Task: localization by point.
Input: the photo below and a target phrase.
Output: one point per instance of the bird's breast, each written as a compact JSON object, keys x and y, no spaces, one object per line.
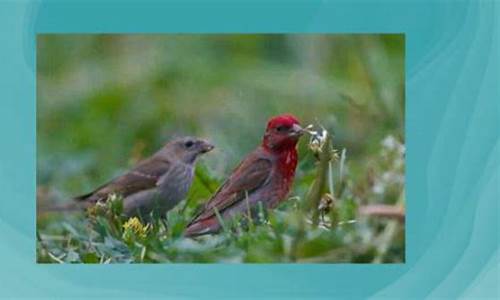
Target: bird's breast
{"x":287,"y":162}
{"x":175,"y":184}
{"x":285,"y":173}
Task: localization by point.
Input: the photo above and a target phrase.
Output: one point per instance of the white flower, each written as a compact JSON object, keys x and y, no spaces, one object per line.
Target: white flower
{"x":318,"y":138}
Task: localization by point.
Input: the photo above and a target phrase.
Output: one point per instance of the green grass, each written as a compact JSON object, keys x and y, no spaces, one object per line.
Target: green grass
{"x":295,"y":232}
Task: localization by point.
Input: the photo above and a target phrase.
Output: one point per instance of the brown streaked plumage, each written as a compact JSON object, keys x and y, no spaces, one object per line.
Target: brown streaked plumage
{"x":157,"y":183}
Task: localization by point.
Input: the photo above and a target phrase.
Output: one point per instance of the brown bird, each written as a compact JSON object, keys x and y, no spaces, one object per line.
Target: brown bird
{"x":156,"y":184}
{"x":264,"y":176}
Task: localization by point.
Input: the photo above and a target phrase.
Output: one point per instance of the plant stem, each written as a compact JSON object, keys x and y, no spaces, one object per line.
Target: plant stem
{"x":320,"y":182}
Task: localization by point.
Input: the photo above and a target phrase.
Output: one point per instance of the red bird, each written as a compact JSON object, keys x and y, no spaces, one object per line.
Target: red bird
{"x":265,"y":176}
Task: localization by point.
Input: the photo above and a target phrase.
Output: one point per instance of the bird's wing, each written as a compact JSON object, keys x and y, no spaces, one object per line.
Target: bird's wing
{"x":251,"y":174}
{"x":144,"y":176}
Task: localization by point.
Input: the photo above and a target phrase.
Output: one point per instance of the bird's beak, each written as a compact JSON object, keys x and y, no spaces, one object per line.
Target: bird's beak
{"x":206,"y":147}
{"x":296,"y":130}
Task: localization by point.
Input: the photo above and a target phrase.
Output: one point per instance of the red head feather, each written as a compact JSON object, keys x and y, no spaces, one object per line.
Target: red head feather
{"x":282,"y":120}
{"x":280,"y":135}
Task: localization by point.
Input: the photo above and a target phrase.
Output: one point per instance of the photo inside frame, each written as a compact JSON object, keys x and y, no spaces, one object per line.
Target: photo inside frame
{"x":217,"y":148}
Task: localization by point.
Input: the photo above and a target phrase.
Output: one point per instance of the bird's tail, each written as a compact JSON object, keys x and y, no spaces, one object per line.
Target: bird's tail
{"x":60,"y":208}
{"x":202,"y":227}
{"x":50,"y":200}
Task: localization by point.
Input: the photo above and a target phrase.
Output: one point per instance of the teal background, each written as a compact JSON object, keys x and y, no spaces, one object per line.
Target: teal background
{"x":452,"y":122}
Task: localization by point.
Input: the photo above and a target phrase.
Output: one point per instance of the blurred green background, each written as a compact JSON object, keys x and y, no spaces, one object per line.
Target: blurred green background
{"x":106,"y":101}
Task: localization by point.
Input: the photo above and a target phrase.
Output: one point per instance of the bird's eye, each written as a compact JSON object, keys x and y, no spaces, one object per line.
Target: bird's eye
{"x":188,"y":144}
{"x":281,"y":128}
